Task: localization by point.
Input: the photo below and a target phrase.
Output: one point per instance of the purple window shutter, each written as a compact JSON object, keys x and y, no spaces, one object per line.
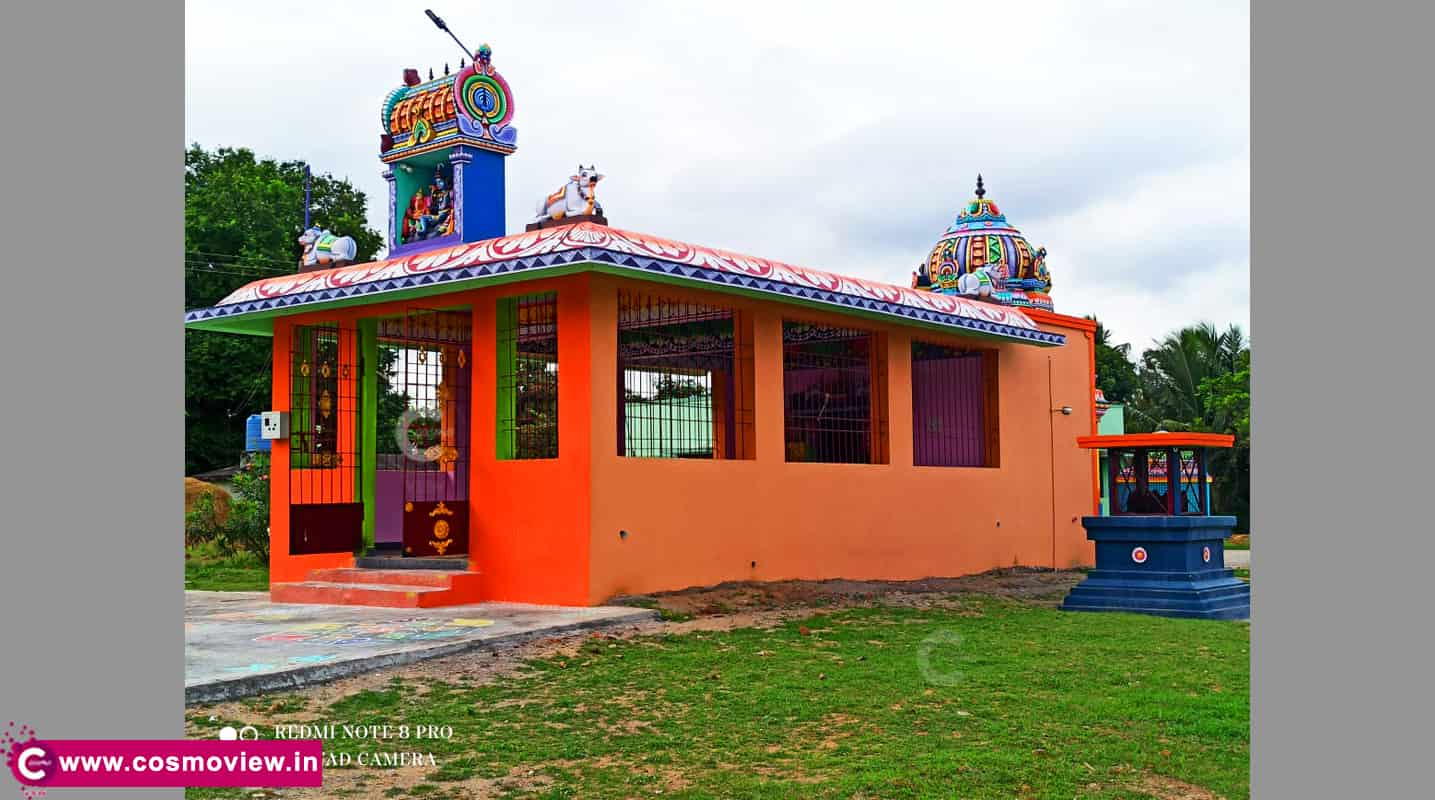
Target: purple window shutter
{"x":948,"y":422}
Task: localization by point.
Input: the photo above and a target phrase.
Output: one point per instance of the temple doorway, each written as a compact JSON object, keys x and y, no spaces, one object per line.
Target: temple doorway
{"x":421,"y":477}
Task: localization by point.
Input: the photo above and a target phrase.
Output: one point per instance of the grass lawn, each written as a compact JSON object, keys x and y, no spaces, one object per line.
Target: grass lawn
{"x":208,"y":571}
{"x":972,"y":697}
{"x":1239,"y":542}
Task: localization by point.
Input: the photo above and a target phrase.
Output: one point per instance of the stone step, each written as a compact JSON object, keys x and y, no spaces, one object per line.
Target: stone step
{"x":359,"y":594}
{"x":397,"y":577}
{"x":375,"y":560}
{"x":1155,"y":577}
{"x":1225,"y":602}
{"x":406,"y":588}
{"x":1223,"y":611}
{"x":1234,"y":586}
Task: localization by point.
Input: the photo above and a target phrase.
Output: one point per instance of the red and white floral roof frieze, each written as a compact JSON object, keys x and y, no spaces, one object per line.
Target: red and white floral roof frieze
{"x":586,"y":241}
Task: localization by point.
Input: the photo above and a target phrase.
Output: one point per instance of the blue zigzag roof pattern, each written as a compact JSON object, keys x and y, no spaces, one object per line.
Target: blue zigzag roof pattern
{"x":625,"y":261}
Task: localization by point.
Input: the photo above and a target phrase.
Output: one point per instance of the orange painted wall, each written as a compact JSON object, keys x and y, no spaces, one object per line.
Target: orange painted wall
{"x":698,"y":522}
{"x":530,"y":517}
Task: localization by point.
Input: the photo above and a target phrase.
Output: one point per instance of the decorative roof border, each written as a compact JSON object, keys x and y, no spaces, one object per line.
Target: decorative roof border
{"x":452,"y":137}
{"x":587,"y":242}
{"x":1159,"y":439}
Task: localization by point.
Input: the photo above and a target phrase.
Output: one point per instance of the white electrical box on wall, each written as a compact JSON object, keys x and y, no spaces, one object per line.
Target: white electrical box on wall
{"x":274,"y":425}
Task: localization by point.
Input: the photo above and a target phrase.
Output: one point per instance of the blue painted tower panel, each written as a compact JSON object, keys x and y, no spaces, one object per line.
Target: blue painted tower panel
{"x":483,"y":195}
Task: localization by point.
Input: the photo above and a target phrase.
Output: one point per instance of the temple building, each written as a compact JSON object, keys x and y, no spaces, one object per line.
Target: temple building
{"x":578,"y":411}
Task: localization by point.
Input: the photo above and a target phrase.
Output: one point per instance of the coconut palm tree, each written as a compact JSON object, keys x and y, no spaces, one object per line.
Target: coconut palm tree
{"x":1198,"y":378}
{"x":1171,"y":374}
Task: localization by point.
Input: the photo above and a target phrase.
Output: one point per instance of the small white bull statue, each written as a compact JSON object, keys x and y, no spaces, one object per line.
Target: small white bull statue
{"x":578,"y":196}
{"x":981,"y":282}
{"x":323,"y":249}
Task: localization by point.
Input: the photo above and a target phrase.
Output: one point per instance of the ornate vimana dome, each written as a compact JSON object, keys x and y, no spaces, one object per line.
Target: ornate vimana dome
{"x":983,"y":257}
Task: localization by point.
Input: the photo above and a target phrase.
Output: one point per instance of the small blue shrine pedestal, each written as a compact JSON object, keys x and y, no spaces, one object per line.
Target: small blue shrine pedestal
{"x":1168,"y":566}
{"x":1161,"y":551}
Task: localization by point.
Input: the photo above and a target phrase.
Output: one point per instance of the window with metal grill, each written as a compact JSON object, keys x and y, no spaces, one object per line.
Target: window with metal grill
{"x":835,"y":394}
{"x":528,"y":376}
{"x":954,"y":406}
{"x":325,"y":514}
{"x":322,"y":393}
{"x":685,"y":386}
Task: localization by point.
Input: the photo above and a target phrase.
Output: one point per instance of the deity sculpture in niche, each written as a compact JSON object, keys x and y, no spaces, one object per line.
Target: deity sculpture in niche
{"x":430,"y":211}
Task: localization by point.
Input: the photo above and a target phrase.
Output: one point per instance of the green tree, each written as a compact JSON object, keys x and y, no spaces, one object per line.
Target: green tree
{"x":242,"y":219}
{"x":1226,"y":406}
{"x":1198,"y":379}
{"x":535,"y":389}
{"x":673,"y":388}
{"x":393,"y":398}
{"x":1115,"y":371}
{"x":1170,"y":375}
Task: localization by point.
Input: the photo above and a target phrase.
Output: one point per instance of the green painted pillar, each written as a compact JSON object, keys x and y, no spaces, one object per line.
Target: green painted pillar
{"x":368,"y":422}
{"x":507,"y":353}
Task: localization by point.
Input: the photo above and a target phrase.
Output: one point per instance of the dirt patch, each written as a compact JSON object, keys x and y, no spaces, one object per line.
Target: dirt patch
{"x":788,"y":773}
{"x":527,"y":780}
{"x":1164,"y":788}
{"x":735,"y":599}
{"x":521,"y":780}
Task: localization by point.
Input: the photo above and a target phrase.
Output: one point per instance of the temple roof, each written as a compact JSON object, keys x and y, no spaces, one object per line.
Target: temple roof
{"x":981,"y":236}
{"x":472,"y":107}
{"x":600,"y":248}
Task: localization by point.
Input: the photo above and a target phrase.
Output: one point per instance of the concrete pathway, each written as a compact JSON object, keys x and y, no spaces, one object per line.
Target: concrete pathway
{"x":1238,"y":559}
{"x":238,"y":644}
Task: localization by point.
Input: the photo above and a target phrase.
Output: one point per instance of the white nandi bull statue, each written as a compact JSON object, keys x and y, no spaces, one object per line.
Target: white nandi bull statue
{"x":982,"y":281}
{"x":578,"y":196}
{"x":323,"y":249}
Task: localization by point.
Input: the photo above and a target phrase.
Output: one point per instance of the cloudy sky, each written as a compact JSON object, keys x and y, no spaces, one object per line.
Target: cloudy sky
{"x":1115,"y":134}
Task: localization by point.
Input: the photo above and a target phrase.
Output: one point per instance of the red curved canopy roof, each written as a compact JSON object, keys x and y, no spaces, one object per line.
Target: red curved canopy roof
{"x":1171,"y":439}
{"x":435,"y":270}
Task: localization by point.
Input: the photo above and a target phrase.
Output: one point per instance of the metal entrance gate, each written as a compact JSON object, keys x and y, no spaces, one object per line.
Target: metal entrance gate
{"x":325,"y":512}
{"x":433,"y":373}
